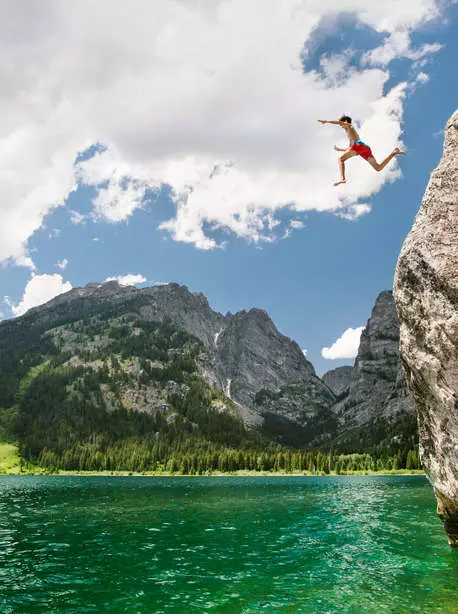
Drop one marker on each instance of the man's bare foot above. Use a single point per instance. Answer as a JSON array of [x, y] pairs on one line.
[[398, 152], [340, 181]]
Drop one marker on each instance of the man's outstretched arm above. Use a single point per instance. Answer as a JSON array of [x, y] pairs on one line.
[[337, 122]]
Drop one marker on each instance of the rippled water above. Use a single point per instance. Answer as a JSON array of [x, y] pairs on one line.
[[225, 545]]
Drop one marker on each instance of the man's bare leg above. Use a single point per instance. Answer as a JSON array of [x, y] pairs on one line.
[[348, 154], [379, 167]]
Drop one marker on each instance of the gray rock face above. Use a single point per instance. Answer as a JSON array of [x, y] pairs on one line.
[[186, 309], [254, 356], [426, 292], [338, 380], [377, 386], [245, 352]]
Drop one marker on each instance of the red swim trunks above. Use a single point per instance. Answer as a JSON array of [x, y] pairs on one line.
[[362, 149]]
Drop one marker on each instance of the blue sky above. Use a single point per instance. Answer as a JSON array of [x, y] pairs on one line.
[[317, 281]]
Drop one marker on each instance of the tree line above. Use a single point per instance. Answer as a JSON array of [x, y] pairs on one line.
[[206, 458]]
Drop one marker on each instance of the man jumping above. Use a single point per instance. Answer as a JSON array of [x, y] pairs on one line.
[[357, 147]]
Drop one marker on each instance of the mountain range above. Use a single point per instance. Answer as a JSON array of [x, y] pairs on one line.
[[154, 353]]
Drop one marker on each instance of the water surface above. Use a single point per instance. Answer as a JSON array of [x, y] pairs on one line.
[[226, 545]]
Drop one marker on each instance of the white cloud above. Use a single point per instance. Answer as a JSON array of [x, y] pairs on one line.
[[353, 212], [173, 96], [398, 45], [121, 187], [304, 351], [25, 261], [7, 300], [293, 225], [422, 77], [128, 280], [62, 264], [346, 346], [39, 290], [96, 239], [77, 218]]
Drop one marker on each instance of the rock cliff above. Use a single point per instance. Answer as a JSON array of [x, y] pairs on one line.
[[377, 387], [338, 380], [253, 356], [426, 293]]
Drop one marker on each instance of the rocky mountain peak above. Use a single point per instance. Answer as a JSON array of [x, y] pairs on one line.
[[252, 355], [383, 322], [258, 314], [338, 380], [376, 386]]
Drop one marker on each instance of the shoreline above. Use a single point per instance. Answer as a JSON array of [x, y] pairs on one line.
[[11, 464], [261, 474]]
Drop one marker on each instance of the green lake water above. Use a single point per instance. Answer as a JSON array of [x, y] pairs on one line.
[[225, 545]]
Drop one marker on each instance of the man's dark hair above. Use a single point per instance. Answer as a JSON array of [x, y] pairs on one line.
[[345, 118]]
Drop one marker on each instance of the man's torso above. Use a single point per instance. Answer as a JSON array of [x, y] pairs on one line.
[[351, 133]]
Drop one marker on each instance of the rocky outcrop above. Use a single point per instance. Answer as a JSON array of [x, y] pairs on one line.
[[426, 292], [254, 356], [338, 380], [377, 386]]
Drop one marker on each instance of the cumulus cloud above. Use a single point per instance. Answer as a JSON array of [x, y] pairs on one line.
[[174, 97], [353, 212], [398, 45], [422, 77], [346, 346], [39, 289], [128, 280], [77, 218], [62, 264], [293, 225]]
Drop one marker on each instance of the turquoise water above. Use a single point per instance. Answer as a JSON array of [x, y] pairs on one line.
[[227, 545]]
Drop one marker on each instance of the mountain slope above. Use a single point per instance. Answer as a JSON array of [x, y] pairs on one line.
[[338, 380], [112, 386], [378, 407], [158, 351], [241, 355]]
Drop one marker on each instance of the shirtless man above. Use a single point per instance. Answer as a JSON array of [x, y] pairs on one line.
[[357, 147]]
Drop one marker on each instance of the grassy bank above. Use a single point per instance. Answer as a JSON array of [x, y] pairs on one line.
[[12, 464], [9, 458]]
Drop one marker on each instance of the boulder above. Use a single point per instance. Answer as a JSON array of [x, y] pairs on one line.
[[426, 295]]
